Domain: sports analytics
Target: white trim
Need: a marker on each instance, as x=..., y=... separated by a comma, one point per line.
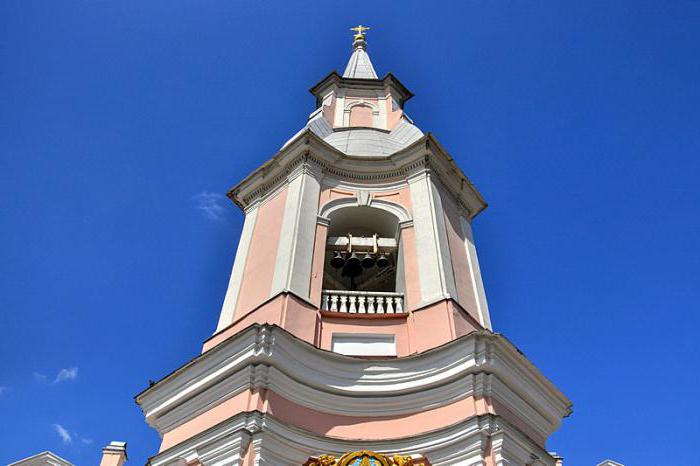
x=435, y=275
x=274, y=443
x=44, y=458
x=396, y=210
x=335, y=383
x=307, y=147
x=234, y=285
x=364, y=344
x=476, y=282
x=298, y=233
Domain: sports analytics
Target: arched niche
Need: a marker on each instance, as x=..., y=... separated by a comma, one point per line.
x=352, y=228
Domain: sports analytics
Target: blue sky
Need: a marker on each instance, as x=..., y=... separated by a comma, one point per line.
x=122, y=124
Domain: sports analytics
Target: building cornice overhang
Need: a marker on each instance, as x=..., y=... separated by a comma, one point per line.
x=49, y=457
x=462, y=442
x=268, y=355
x=424, y=155
x=388, y=82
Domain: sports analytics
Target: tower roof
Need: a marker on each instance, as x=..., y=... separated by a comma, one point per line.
x=359, y=65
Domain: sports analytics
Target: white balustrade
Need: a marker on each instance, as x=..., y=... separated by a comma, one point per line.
x=362, y=302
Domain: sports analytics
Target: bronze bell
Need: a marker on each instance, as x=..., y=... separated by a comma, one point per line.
x=337, y=261
x=353, y=266
x=367, y=261
x=382, y=261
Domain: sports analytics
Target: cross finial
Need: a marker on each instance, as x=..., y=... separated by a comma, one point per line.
x=360, y=31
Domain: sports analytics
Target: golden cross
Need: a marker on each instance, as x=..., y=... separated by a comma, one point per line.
x=360, y=30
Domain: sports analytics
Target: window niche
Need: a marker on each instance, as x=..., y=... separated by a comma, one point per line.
x=362, y=250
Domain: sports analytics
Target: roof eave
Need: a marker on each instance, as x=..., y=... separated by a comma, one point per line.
x=389, y=80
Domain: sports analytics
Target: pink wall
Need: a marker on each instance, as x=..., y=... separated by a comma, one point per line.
x=260, y=263
x=329, y=111
x=437, y=324
x=284, y=310
x=410, y=261
x=361, y=115
x=383, y=325
x=342, y=426
x=392, y=117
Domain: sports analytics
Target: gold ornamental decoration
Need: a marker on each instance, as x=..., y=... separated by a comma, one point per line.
x=363, y=458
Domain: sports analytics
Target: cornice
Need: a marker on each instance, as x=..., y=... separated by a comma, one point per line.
x=388, y=82
x=320, y=159
x=277, y=443
x=266, y=356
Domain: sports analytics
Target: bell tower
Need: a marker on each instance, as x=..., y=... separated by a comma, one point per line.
x=355, y=318
x=360, y=215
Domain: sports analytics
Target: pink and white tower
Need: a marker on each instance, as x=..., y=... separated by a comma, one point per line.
x=355, y=329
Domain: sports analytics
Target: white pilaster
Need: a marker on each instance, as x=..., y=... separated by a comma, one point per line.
x=296, y=244
x=475, y=274
x=435, y=272
x=234, y=284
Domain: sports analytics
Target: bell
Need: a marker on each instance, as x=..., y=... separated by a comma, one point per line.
x=337, y=261
x=367, y=261
x=353, y=266
x=382, y=261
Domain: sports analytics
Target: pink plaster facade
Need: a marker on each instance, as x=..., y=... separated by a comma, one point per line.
x=361, y=115
x=418, y=330
x=342, y=426
x=260, y=261
x=436, y=311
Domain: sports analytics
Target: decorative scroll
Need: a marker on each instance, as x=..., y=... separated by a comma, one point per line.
x=364, y=458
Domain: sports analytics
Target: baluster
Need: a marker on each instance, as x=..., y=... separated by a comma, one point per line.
x=361, y=305
x=343, y=303
x=334, y=303
x=370, y=305
x=399, y=304
x=389, y=305
x=380, y=305
x=324, y=302
x=353, y=307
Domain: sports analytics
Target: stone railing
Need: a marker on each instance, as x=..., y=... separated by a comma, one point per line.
x=362, y=302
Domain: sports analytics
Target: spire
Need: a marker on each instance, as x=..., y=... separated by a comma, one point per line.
x=359, y=65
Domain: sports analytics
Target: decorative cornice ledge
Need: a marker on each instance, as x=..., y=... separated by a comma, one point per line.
x=278, y=443
x=266, y=356
x=312, y=155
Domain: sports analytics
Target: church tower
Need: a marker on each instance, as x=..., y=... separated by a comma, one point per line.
x=355, y=329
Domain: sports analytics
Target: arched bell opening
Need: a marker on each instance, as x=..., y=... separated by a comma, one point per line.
x=361, y=250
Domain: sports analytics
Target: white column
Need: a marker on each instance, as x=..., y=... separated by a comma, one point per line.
x=339, y=109
x=435, y=272
x=234, y=284
x=298, y=233
x=475, y=274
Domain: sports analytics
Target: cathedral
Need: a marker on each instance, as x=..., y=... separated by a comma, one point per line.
x=355, y=330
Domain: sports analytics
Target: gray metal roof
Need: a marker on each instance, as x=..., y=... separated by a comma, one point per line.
x=359, y=65
x=363, y=141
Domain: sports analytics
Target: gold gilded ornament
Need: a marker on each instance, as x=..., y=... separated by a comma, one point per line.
x=402, y=460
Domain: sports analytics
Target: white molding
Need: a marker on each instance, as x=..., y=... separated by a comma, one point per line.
x=396, y=210
x=476, y=281
x=307, y=147
x=338, y=384
x=234, y=286
x=274, y=443
x=298, y=233
x=45, y=458
x=435, y=275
